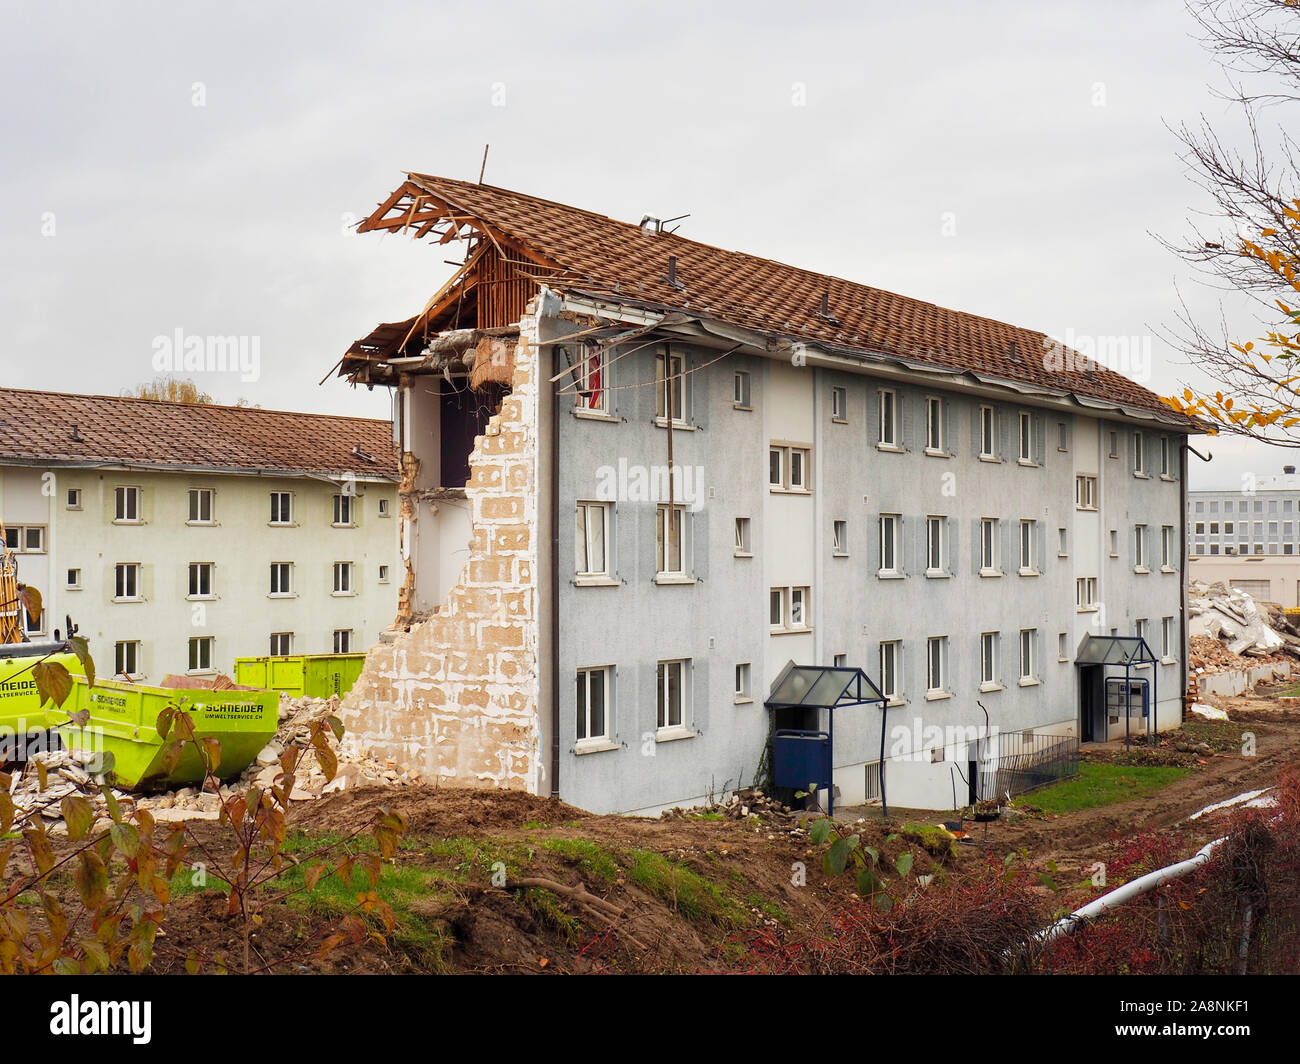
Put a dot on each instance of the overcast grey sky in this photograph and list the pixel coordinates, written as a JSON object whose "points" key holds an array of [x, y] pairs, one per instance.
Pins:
{"points": [[195, 166]]}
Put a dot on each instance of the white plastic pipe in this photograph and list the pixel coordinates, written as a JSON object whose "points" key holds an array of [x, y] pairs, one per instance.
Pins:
{"points": [[1127, 892]]}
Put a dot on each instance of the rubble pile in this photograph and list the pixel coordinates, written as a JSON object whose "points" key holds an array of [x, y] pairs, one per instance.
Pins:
{"points": [[1229, 629], [66, 775]]}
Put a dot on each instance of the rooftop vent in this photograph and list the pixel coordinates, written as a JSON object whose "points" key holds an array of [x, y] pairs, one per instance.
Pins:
{"points": [[76, 434]]}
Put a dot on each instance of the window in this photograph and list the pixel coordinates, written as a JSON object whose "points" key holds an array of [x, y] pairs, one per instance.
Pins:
{"points": [[988, 659], [1026, 437], [1062, 436], [1026, 547], [74, 499], [126, 583], [342, 640], [891, 653], [840, 661], [1140, 548], [1167, 638], [1114, 543], [591, 553], [670, 552], [669, 387], [593, 691], [936, 551], [200, 506], [281, 644], [201, 653], [200, 580], [1166, 458], [798, 607], [1063, 647], [383, 507], [890, 529], [740, 390], [1085, 593], [1114, 444], [1139, 459], [888, 418], [988, 546], [742, 536], [742, 681], [1227, 528], [672, 677], [383, 574], [839, 404], [787, 468], [1200, 528], [281, 508], [988, 432], [25, 539], [1062, 543], [126, 505], [776, 607], [342, 510], [1167, 547], [591, 394], [1027, 663], [788, 608], [126, 658], [934, 424], [934, 672], [343, 578], [74, 578], [840, 537], [1140, 629], [1085, 492], [282, 578], [873, 781]]}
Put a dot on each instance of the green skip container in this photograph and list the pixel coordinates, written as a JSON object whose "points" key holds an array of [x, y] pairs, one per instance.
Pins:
{"points": [[21, 711], [301, 675], [123, 722]]}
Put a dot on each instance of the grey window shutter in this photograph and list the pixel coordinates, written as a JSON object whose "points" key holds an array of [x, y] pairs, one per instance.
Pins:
{"points": [[873, 416], [1007, 426], [976, 425], [1040, 546], [1040, 448], [1010, 560], [906, 421], [954, 544], [950, 426], [977, 543], [873, 544]]}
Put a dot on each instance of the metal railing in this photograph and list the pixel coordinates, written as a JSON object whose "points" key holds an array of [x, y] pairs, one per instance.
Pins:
{"points": [[1038, 764]]}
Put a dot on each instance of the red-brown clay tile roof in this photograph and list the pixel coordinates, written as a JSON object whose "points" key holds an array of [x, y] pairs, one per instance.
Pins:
{"points": [[63, 429], [590, 253]]}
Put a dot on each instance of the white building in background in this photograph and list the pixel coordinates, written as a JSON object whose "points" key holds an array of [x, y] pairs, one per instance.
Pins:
{"points": [[179, 537]]}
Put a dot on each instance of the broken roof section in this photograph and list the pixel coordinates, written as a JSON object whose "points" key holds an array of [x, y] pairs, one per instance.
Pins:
{"points": [[61, 429], [1114, 650], [580, 253]]}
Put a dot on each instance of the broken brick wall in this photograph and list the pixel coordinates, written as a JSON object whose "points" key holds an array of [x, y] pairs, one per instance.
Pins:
{"points": [[456, 697]]}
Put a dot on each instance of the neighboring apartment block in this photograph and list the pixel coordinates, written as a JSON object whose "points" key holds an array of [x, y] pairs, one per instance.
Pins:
{"points": [[682, 469], [178, 537], [1250, 537]]}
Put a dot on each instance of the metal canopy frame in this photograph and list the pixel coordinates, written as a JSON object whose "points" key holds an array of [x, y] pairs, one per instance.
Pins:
{"points": [[1129, 651], [830, 687]]}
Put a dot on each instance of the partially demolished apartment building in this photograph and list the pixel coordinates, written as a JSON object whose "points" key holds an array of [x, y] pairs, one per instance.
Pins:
{"points": [[643, 475]]}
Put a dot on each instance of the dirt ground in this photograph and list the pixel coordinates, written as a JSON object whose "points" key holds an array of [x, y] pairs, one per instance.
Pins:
{"points": [[682, 893]]}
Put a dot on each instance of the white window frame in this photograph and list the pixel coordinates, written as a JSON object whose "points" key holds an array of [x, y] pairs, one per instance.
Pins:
{"points": [[200, 647], [936, 666], [666, 565], [127, 500], [591, 394], [1167, 542], [589, 679], [741, 390], [278, 569], [195, 500], [887, 436], [343, 640], [788, 457], [344, 579], [286, 518], [1140, 549], [74, 582], [988, 416], [1025, 421], [840, 404], [934, 438], [284, 639], [989, 661], [891, 672], [800, 607], [591, 554], [936, 545], [1167, 640], [989, 533], [891, 543], [665, 711], [840, 539], [345, 514], [72, 499], [670, 376], [1085, 594], [127, 576], [1028, 656], [744, 537], [1027, 546], [197, 572], [778, 608], [1085, 492], [126, 658], [744, 677]]}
